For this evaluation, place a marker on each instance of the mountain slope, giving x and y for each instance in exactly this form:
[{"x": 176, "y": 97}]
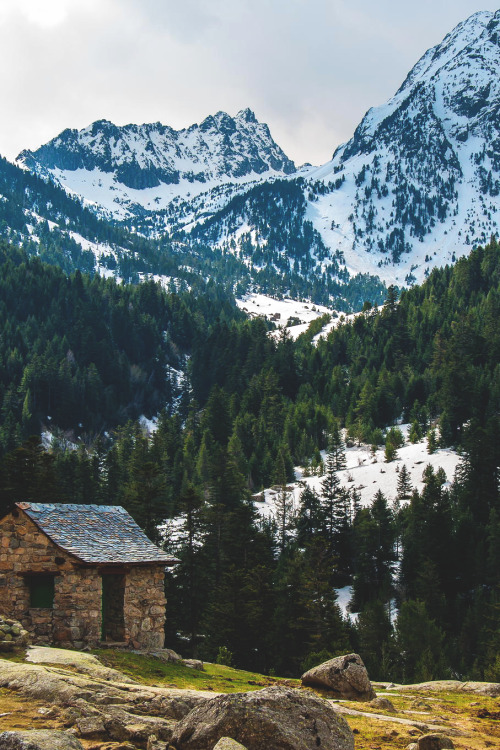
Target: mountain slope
[
  {"x": 418, "y": 184},
  {"x": 135, "y": 167},
  {"x": 420, "y": 178}
]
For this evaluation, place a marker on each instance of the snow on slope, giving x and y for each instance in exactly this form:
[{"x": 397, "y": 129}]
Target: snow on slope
[
  {"x": 419, "y": 182},
  {"x": 369, "y": 473},
  {"x": 280, "y": 310}
]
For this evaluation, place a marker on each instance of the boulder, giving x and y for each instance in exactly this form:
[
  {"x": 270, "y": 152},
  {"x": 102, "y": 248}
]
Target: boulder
[
  {"x": 384, "y": 704},
  {"x": 12, "y": 634},
  {"x": 116, "y": 723},
  {"x": 123, "y": 725},
  {"x": 39, "y": 739},
  {"x": 276, "y": 717},
  {"x": 345, "y": 676},
  {"x": 194, "y": 664},
  {"x": 91, "y": 727},
  {"x": 164, "y": 654},
  {"x": 226, "y": 743},
  {"x": 434, "y": 742}
]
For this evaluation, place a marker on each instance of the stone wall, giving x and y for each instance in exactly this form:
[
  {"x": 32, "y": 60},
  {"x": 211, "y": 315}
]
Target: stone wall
[
  {"x": 145, "y": 606},
  {"x": 76, "y": 617}
]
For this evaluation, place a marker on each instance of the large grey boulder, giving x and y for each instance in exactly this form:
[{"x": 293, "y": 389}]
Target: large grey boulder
[
  {"x": 39, "y": 739},
  {"x": 276, "y": 717},
  {"x": 434, "y": 742},
  {"x": 345, "y": 676}
]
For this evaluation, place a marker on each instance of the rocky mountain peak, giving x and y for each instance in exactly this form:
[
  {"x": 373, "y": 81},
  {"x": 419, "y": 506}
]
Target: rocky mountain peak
[
  {"x": 107, "y": 158},
  {"x": 420, "y": 178}
]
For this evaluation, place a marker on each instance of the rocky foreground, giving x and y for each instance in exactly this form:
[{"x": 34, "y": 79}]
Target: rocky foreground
[{"x": 74, "y": 702}]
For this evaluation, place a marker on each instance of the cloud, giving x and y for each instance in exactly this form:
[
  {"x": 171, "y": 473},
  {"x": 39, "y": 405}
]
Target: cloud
[{"x": 310, "y": 68}]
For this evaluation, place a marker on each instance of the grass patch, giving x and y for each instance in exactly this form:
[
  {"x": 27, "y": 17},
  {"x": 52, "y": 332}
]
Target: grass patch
[
  {"x": 17, "y": 654},
  {"x": 149, "y": 670}
]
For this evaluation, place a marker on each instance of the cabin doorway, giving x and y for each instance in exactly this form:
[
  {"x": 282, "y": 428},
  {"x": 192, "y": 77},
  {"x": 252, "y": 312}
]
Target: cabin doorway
[{"x": 113, "y": 617}]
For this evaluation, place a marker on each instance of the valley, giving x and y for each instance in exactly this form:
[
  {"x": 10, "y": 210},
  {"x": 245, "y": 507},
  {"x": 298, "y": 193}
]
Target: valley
[{"x": 282, "y": 382}]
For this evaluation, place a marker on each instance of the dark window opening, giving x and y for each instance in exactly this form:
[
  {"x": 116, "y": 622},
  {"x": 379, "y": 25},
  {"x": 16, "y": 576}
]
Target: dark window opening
[
  {"x": 113, "y": 617},
  {"x": 41, "y": 591}
]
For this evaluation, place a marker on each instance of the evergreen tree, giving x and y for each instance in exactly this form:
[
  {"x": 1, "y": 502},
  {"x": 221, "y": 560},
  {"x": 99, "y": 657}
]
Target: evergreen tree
[
  {"x": 419, "y": 645},
  {"x": 336, "y": 448},
  {"x": 404, "y": 486}
]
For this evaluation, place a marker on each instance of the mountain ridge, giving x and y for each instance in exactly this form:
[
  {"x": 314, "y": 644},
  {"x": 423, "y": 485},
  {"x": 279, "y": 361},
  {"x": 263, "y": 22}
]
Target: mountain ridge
[
  {"x": 417, "y": 185},
  {"x": 421, "y": 160},
  {"x": 144, "y": 157}
]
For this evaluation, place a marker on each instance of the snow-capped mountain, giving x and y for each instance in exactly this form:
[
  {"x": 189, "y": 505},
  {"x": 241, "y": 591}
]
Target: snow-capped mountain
[
  {"x": 419, "y": 182},
  {"x": 129, "y": 169},
  {"x": 416, "y": 186}
]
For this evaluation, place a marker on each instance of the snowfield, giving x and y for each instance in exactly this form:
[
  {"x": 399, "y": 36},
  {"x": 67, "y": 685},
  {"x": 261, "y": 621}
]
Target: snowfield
[
  {"x": 280, "y": 310},
  {"x": 368, "y": 473}
]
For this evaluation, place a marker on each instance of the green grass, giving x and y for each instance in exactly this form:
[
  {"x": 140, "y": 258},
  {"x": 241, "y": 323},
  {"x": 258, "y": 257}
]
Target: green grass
[
  {"x": 149, "y": 670},
  {"x": 17, "y": 654}
]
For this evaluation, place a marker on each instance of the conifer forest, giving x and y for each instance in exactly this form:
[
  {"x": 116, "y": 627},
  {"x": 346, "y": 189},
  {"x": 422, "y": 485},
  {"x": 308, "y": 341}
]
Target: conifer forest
[{"x": 84, "y": 359}]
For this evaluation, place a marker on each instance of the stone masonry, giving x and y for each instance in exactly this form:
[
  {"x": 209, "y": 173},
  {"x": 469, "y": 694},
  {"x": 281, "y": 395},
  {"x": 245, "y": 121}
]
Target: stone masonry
[{"x": 75, "y": 619}]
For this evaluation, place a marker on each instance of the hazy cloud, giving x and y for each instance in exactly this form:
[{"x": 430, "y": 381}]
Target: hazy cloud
[{"x": 309, "y": 68}]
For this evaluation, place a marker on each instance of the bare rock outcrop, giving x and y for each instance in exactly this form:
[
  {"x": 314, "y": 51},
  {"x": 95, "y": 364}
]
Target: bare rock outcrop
[
  {"x": 227, "y": 743},
  {"x": 276, "y": 717},
  {"x": 384, "y": 704},
  {"x": 39, "y": 739},
  {"x": 82, "y": 662},
  {"x": 62, "y": 688},
  {"x": 481, "y": 688},
  {"x": 345, "y": 676},
  {"x": 99, "y": 709}
]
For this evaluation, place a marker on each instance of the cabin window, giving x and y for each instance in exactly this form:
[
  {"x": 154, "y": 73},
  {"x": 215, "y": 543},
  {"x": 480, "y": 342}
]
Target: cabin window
[{"x": 41, "y": 591}]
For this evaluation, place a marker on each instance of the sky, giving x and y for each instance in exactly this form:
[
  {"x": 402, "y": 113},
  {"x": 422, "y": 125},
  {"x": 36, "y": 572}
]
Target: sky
[{"x": 309, "y": 68}]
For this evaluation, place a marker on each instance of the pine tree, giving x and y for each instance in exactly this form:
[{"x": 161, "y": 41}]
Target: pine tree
[
  {"x": 284, "y": 517},
  {"x": 374, "y": 631},
  {"x": 404, "y": 487},
  {"x": 309, "y": 517},
  {"x": 419, "y": 644},
  {"x": 415, "y": 435},
  {"x": 335, "y": 508},
  {"x": 432, "y": 443},
  {"x": 336, "y": 448},
  {"x": 332, "y": 501}
]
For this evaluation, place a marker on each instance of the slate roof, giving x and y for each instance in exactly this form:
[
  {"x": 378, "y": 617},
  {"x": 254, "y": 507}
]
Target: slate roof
[{"x": 95, "y": 533}]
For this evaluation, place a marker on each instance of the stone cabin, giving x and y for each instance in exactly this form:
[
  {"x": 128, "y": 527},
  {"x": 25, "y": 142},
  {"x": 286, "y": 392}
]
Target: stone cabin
[{"x": 80, "y": 575}]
